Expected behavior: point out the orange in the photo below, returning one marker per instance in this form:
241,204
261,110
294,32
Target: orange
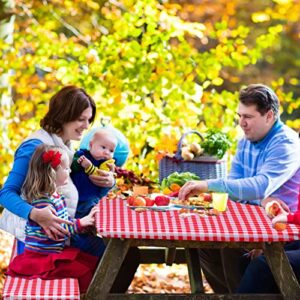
280,226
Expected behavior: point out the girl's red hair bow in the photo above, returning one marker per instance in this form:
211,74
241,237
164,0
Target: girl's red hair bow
52,157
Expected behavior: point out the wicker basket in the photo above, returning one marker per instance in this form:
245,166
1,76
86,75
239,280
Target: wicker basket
206,167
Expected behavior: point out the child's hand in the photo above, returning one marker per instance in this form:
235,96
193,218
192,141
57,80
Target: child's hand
279,206
282,218
84,162
89,220
275,207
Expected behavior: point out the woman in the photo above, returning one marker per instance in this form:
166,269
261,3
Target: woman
71,111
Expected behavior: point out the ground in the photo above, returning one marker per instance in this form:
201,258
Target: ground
150,278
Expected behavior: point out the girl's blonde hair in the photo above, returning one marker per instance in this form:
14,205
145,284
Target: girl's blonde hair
41,176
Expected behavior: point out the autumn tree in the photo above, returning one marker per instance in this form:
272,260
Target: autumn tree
140,60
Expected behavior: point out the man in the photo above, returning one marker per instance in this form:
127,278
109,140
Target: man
266,164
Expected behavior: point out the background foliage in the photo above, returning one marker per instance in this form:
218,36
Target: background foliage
155,68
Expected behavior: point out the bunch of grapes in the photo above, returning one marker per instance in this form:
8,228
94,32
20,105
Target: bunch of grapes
131,178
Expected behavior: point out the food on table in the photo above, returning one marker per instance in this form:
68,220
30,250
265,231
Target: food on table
273,209
203,199
280,226
155,199
127,180
174,187
140,190
136,201
175,180
149,201
162,200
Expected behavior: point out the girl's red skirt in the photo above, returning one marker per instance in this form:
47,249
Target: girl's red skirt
70,263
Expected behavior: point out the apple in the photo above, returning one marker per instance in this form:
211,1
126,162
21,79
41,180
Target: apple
162,200
139,201
130,200
136,201
149,201
273,208
173,194
207,197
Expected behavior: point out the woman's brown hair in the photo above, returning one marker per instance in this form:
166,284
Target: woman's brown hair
66,106
41,176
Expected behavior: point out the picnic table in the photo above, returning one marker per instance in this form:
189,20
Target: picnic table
242,225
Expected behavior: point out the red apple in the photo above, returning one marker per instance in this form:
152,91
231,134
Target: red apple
149,201
162,200
206,197
273,209
130,200
173,194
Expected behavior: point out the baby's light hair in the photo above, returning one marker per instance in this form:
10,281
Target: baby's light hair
41,176
100,133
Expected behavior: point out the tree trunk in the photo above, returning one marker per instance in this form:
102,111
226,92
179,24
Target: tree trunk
6,34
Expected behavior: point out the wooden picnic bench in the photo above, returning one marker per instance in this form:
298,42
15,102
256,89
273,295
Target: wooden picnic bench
38,289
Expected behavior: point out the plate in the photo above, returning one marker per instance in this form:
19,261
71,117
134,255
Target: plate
179,206
155,207
169,207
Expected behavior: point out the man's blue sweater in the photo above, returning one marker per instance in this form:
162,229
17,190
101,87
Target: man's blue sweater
270,167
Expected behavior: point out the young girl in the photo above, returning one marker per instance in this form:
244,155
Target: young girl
43,257
285,217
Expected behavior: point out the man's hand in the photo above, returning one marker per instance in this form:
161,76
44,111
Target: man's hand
192,188
46,217
254,253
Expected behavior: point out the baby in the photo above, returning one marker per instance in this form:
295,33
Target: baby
86,162
102,148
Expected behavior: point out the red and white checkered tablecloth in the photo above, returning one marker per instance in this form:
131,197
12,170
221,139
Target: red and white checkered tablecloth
240,223
38,289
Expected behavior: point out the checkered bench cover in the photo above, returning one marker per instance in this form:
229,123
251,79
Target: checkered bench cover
38,289
21,288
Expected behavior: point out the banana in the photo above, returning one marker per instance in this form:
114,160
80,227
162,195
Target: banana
104,166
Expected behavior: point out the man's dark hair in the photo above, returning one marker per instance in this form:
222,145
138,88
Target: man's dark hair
262,96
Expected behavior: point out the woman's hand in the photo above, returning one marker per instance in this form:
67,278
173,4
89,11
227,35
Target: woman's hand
192,188
46,217
104,178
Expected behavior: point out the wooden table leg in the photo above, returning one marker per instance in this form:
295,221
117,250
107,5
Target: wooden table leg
108,269
194,269
170,254
282,271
